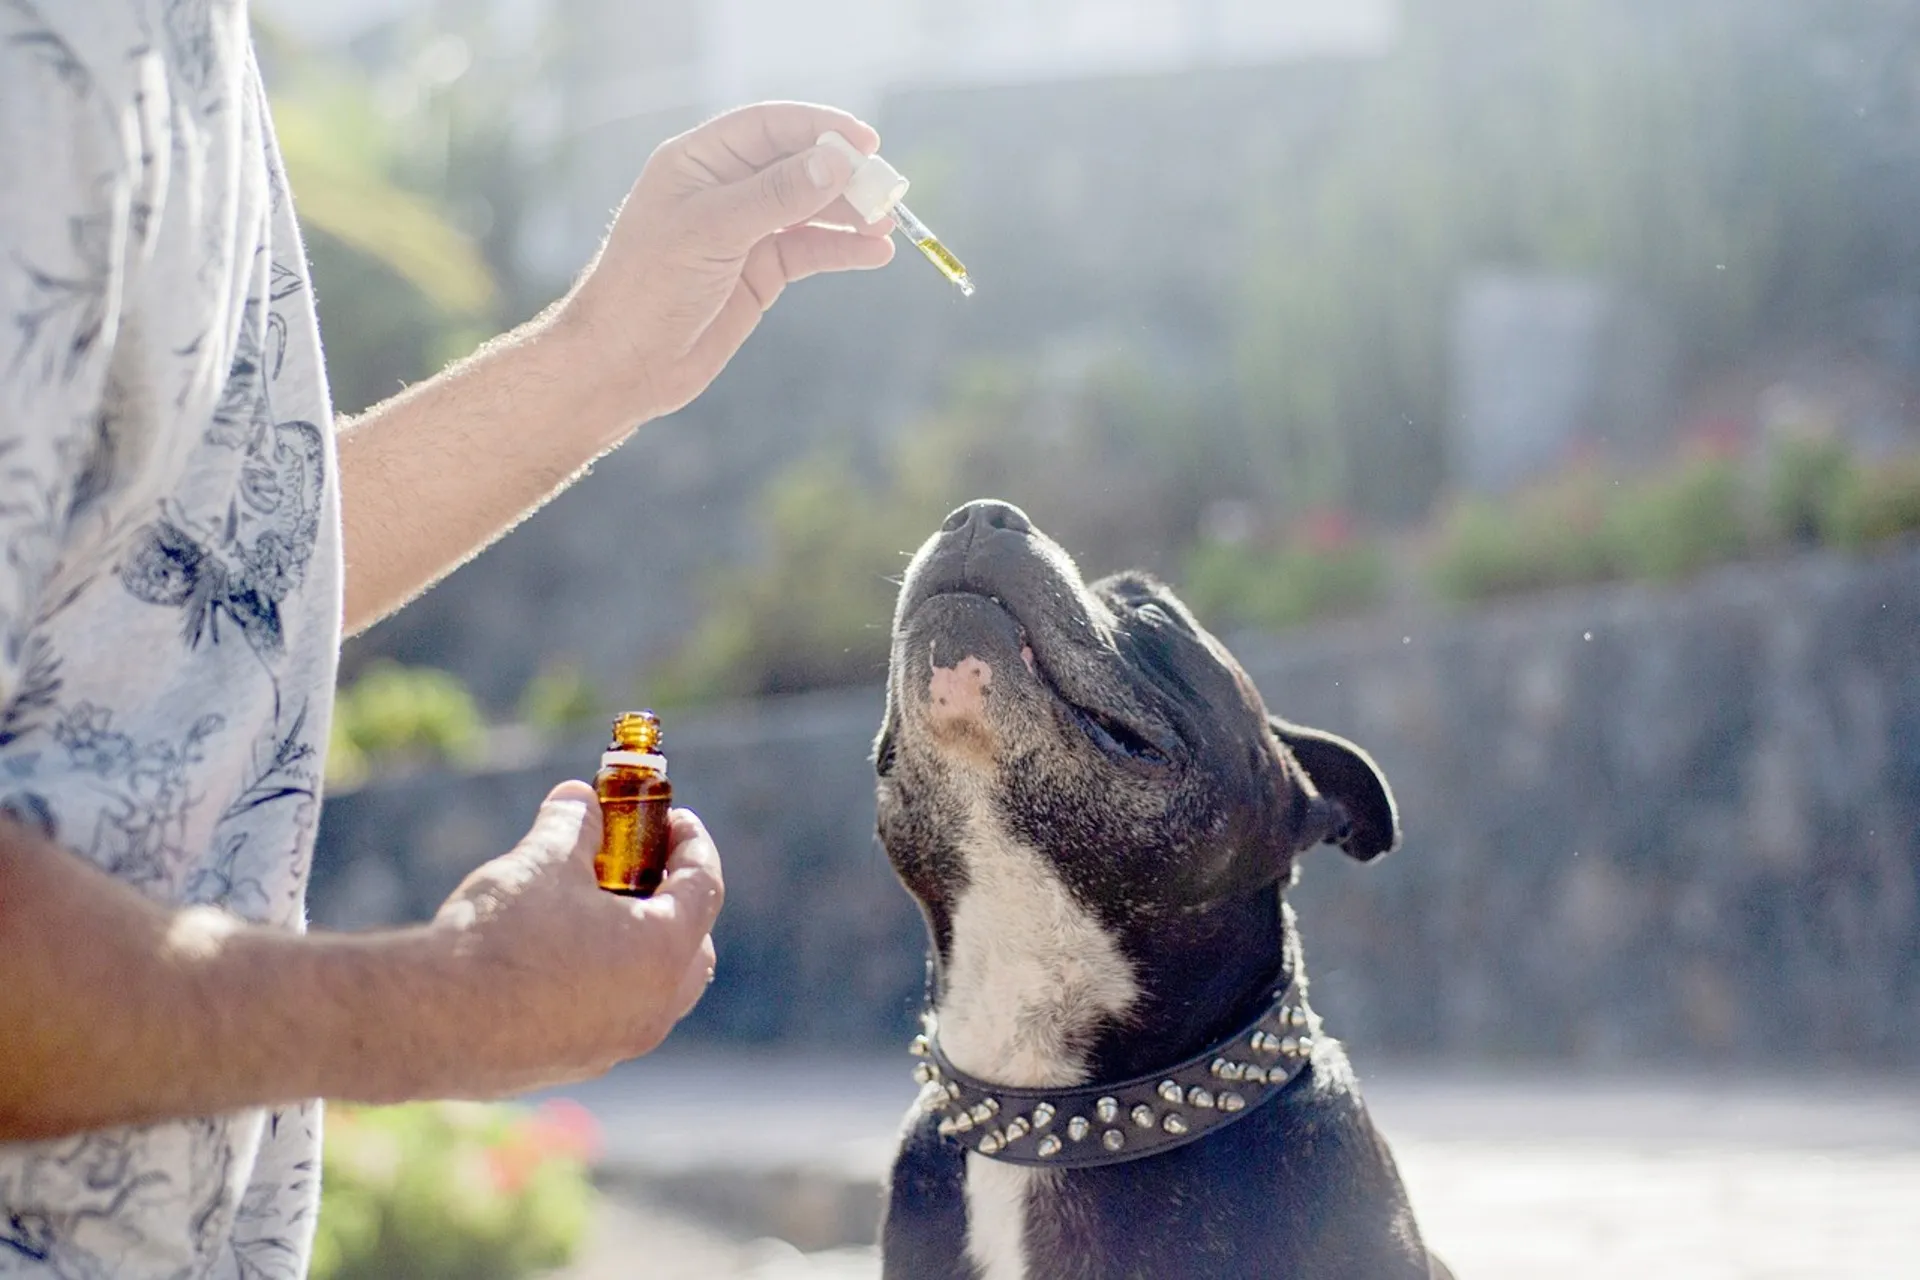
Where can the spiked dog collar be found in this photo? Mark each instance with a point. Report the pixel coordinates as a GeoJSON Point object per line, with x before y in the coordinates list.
{"type": "Point", "coordinates": [1087, 1126]}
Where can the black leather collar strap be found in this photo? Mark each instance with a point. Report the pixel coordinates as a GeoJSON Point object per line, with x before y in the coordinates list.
{"type": "Point", "coordinates": [1092, 1125]}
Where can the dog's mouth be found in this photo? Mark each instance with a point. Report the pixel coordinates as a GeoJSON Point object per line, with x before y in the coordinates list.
{"type": "Point", "coordinates": [1023, 637]}
{"type": "Point", "coordinates": [1131, 744]}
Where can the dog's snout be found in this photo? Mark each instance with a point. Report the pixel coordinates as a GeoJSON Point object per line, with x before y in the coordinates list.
{"type": "Point", "coordinates": [983, 515]}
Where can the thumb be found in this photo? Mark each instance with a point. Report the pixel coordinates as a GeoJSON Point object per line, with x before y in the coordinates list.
{"type": "Point", "coordinates": [783, 194]}
{"type": "Point", "coordinates": [568, 824]}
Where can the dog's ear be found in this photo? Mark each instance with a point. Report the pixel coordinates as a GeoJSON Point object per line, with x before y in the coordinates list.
{"type": "Point", "coordinates": [1355, 810]}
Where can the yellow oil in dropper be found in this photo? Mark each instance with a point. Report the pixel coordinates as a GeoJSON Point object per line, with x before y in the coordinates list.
{"type": "Point", "coordinates": [926, 242]}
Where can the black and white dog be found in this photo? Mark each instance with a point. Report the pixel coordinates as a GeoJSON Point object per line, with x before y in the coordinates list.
{"type": "Point", "coordinates": [1121, 1075]}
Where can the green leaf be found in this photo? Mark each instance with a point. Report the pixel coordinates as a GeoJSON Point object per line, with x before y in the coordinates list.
{"type": "Point", "coordinates": [341, 189]}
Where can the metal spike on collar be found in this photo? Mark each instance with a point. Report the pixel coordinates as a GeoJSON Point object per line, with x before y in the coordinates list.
{"type": "Point", "coordinates": [1108, 1109]}
{"type": "Point", "coordinates": [1170, 1091]}
{"type": "Point", "coordinates": [1078, 1128]}
{"type": "Point", "coordinates": [1113, 1139]}
{"type": "Point", "coordinates": [1042, 1115]}
{"type": "Point", "coordinates": [1174, 1123]}
{"type": "Point", "coordinates": [1143, 1116]}
{"type": "Point", "coordinates": [1049, 1146]}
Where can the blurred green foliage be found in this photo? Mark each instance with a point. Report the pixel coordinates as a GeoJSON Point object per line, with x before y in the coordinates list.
{"type": "Point", "coordinates": [1808, 476]}
{"type": "Point", "coordinates": [452, 1191]}
{"type": "Point", "coordinates": [410, 186]}
{"type": "Point", "coordinates": [1546, 536]}
{"type": "Point", "coordinates": [1672, 524]}
{"type": "Point", "coordinates": [560, 698]}
{"type": "Point", "coordinates": [1274, 586]}
{"type": "Point", "coordinates": [1874, 504]}
{"type": "Point", "coordinates": [1705, 509]}
{"type": "Point", "coordinates": [395, 714]}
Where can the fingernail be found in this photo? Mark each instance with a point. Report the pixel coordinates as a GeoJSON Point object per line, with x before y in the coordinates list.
{"type": "Point", "coordinates": [820, 168]}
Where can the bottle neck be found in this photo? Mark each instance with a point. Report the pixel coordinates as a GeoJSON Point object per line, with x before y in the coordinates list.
{"type": "Point", "coordinates": [634, 759]}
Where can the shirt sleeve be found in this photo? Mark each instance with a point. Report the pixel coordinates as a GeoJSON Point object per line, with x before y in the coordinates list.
{"type": "Point", "coordinates": [68, 153]}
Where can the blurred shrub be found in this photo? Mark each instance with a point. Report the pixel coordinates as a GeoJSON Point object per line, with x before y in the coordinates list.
{"type": "Point", "coordinates": [1877, 502]}
{"type": "Point", "coordinates": [560, 698]}
{"type": "Point", "coordinates": [396, 713]}
{"type": "Point", "coordinates": [1302, 579]}
{"type": "Point", "coordinates": [1549, 536]}
{"type": "Point", "coordinates": [814, 613]}
{"type": "Point", "coordinates": [452, 1191]}
{"type": "Point", "coordinates": [1662, 526]}
{"type": "Point", "coordinates": [1808, 478]}
{"type": "Point", "coordinates": [1673, 524]}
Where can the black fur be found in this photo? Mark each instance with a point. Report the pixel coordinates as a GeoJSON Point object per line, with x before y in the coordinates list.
{"type": "Point", "coordinates": [1128, 747]}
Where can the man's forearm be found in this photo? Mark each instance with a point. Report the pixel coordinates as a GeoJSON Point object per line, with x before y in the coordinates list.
{"type": "Point", "coordinates": [117, 1011]}
{"type": "Point", "coordinates": [434, 475]}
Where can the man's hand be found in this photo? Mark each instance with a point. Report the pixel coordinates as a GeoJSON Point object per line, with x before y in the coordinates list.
{"type": "Point", "coordinates": [559, 979]}
{"type": "Point", "coordinates": [721, 220]}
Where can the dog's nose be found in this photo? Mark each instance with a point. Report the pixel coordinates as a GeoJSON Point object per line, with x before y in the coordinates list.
{"type": "Point", "coordinates": [980, 516]}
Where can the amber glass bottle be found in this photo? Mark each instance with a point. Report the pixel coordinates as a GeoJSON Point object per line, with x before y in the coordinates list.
{"type": "Point", "coordinates": [634, 797]}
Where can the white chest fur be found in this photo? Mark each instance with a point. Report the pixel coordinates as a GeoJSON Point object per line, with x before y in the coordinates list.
{"type": "Point", "coordinates": [1030, 976]}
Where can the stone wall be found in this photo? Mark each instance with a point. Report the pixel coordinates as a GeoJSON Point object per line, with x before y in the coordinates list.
{"type": "Point", "coordinates": [1640, 825]}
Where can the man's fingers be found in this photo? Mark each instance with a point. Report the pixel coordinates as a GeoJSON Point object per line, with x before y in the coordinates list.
{"type": "Point", "coordinates": [747, 139]}
{"type": "Point", "coordinates": [693, 887]}
{"type": "Point", "coordinates": [808, 251]}
{"type": "Point", "coordinates": [568, 823]}
{"type": "Point", "coordinates": [841, 214]}
{"type": "Point", "coordinates": [694, 980]}
{"type": "Point", "coordinates": [773, 263]}
{"type": "Point", "coordinates": [799, 252]}
{"type": "Point", "coordinates": [786, 192]}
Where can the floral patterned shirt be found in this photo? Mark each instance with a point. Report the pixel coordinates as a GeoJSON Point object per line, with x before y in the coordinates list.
{"type": "Point", "coordinates": [170, 590]}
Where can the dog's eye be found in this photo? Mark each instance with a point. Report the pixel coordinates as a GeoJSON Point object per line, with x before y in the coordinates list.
{"type": "Point", "coordinates": [1119, 741]}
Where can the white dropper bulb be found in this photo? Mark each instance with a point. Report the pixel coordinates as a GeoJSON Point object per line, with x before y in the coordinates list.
{"type": "Point", "coordinates": [875, 192]}
{"type": "Point", "coordinates": [875, 187]}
